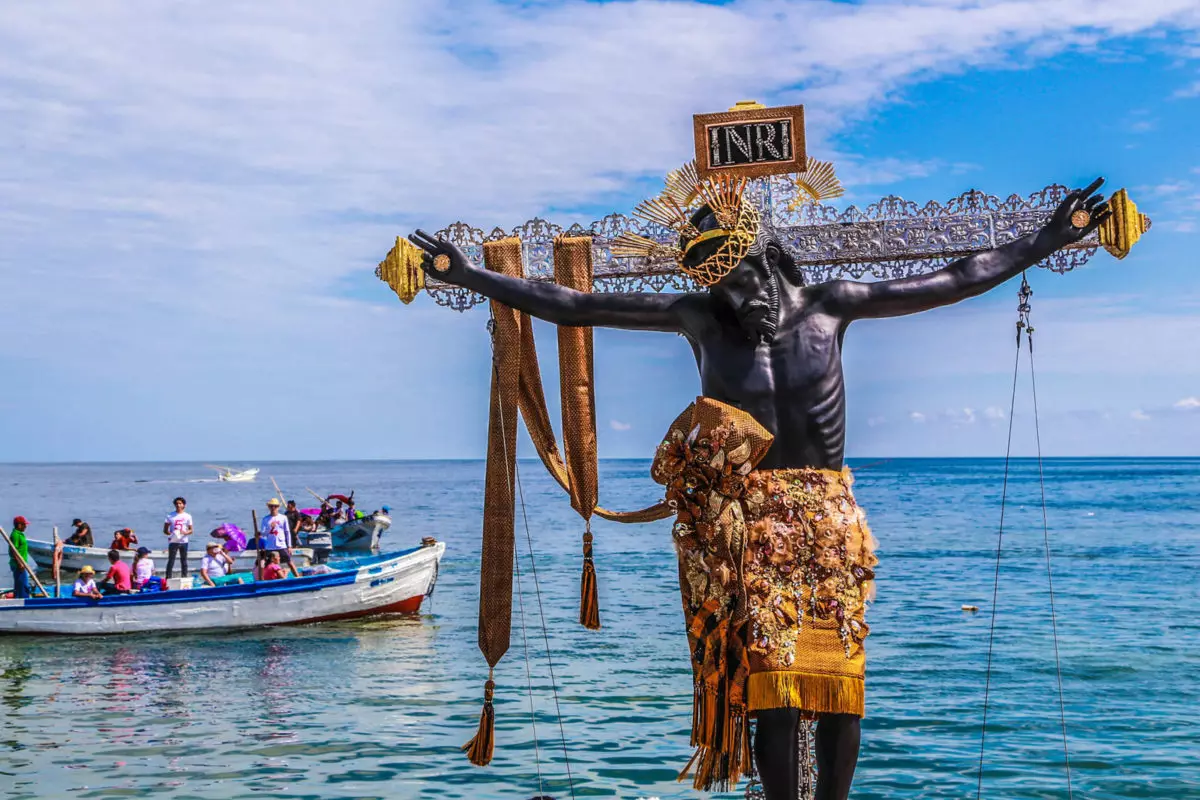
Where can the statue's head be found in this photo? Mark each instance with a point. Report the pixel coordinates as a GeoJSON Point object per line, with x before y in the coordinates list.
{"type": "Point", "coordinates": [751, 289]}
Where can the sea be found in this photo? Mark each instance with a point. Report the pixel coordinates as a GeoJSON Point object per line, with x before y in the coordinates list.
{"type": "Point", "coordinates": [380, 708]}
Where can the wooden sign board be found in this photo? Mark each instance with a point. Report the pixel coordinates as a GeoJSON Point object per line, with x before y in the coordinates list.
{"type": "Point", "coordinates": [750, 142]}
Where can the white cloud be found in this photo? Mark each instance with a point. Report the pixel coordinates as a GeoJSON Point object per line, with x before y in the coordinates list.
{"type": "Point", "coordinates": [917, 416]}
{"type": "Point", "coordinates": [1191, 90]}
{"type": "Point", "coordinates": [617, 425]}
{"type": "Point", "coordinates": [1139, 415]}
{"type": "Point", "coordinates": [217, 175]}
{"type": "Point", "coordinates": [874, 422]}
{"type": "Point", "coordinates": [994, 413]}
{"type": "Point", "coordinates": [1188, 404]}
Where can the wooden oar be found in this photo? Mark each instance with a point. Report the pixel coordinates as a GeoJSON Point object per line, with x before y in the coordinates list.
{"type": "Point", "coordinates": [55, 563]}
{"type": "Point", "coordinates": [278, 491]}
{"type": "Point", "coordinates": [13, 552]}
{"type": "Point", "coordinates": [314, 494]}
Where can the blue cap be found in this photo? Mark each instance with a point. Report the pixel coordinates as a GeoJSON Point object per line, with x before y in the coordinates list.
{"type": "Point", "coordinates": [386, 509]}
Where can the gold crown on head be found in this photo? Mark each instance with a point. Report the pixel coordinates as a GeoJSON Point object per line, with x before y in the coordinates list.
{"type": "Point", "coordinates": [685, 192]}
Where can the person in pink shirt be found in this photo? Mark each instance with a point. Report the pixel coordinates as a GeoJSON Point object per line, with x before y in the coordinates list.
{"type": "Point", "coordinates": [273, 571]}
{"type": "Point", "coordinates": [119, 579]}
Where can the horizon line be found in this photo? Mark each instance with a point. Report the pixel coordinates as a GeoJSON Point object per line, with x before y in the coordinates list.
{"type": "Point", "coordinates": [535, 459]}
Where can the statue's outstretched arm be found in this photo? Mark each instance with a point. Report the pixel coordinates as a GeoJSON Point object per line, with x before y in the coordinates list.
{"type": "Point", "coordinates": [974, 274]}
{"type": "Point", "coordinates": [549, 301]}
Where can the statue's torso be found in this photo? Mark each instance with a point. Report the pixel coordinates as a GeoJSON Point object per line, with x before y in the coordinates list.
{"type": "Point", "coordinates": [792, 386]}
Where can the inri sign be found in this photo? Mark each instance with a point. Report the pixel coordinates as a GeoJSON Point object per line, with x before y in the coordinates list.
{"type": "Point", "coordinates": [750, 141]}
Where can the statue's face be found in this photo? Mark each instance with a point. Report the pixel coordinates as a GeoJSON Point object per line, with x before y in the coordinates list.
{"type": "Point", "coordinates": [745, 292]}
{"type": "Point", "coordinates": [750, 291]}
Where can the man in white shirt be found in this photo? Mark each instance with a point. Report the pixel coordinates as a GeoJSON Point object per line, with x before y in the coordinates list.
{"type": "Point", "coordinates": [215, 564]}
{"type": "Point", "coordinates": [178, 529]}
{"type": "Point", "coordinates": [274, 535]}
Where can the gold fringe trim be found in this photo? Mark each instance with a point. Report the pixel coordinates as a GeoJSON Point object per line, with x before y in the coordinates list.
{"type": "Point", "coordinates": [589, 597]}
{"type": "Point", "coordinates": [482, 745]}
{"type": "Point", "coordinates": [722, 756]}
{"type": "Point", "coordinates": [807, 691]}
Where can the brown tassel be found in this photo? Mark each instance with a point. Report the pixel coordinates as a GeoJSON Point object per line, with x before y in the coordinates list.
{"type": "Point", "coordinates": [589, 597]}
{"type": "Point", "coordinates": [480, 748]}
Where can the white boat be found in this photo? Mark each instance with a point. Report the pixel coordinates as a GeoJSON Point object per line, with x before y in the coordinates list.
{"type": "Point", "coordinates": [361, 534]}
{"type": "Point", "coordinates": [74, 558]}
{"type": "Point", "coordinates": [394, 583]}
{"type": "Point", "coordinates": [230, 475]}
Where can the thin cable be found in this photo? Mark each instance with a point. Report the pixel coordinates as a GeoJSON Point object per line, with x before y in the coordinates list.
{"type": "Point", "coordinates": [987, 683]}
{"type": "Point", "coordinates": [516, 473]}
{"type": "Point", "coordinates": [1062, 704]}
{"type": "Point", "coordinates": [537, 757]}
{"type": "Point", "coordinates": [549, 660]}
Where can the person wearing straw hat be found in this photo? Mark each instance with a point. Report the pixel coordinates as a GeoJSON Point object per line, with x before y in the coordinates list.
{"type": "Point", "coordinates": [18, 555]}
{"type": "Point", "coordinates": [85, 584]}
{"type": "Point", "coordinates": [216, 563]}
{"type": "Point", "coordinates": [275, 536]}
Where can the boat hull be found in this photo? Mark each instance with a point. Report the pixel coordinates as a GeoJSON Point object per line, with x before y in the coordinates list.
{"type": "Point", "coordinates": [74, 558]}
{"type": "Point", "coordinates": [238, 477]}
{"type": "Point", "coordinates": [360, 535]}
{"type": "Point", "coordinates": [384, 584]}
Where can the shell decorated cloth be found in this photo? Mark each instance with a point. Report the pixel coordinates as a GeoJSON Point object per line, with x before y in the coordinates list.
{"type": "Point", "coordinates": [775, 570]}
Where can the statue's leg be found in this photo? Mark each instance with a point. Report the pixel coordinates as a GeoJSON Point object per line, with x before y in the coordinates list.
{"type": "Point", "coordinates": [838, 738]}
{"type": "Point", "coordinates": [775, 752]}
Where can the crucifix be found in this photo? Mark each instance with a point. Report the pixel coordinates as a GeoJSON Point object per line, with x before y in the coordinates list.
{"type": "Point", "coordinates": [776, 560]}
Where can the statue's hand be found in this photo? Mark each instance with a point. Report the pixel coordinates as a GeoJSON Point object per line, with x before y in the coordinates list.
{"type": "Point", "coordinates": [443, 260]}
{"type": "Point", "coordinates": [1080, 206]}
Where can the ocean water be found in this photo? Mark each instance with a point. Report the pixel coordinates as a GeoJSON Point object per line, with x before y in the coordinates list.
{"type": "Point", "coordinates": [378, 709]}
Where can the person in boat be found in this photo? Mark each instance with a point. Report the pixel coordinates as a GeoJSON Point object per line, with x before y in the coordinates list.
{"type": "Point", "coordinates": [275, 536]}
{"type": "Point", "coordinates": [216, 563]}
{"type": "Point", "coordinates": [273, 570]}
{"type": "Point", "coordinates": [338, 516]}
{"type": "Point", "coordinates": [85, 584]}
{"type": "Point", "coordinates": [18, 557]}
{"type": "Point", "coordinates": [293, 516]}
{"type": "Point", "coordinates": [123, 539]}
{"type": "Point", "coordinates": [178, 528]}
{"type": "Point", "coordinates": [143, 567]}
{"type": "Point", "coordinates": [119, 578]}
{"type": "Point", "coordinates": [82, 537]}
{"type": "Point", "coordinates": [325, 515]}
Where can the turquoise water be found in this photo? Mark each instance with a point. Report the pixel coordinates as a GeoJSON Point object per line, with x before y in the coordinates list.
{"type": "Point", "coordinates": [379, 709]}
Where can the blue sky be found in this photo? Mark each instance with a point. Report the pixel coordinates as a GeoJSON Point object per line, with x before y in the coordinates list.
{"type": "Point", "coordinates": [195, 196]}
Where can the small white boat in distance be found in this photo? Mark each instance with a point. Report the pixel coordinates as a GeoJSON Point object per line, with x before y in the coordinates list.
{"type": "Point", "coordinates": [394, 583]}
{"type": "Point", "coordinates": [231, 475]}
{"type": "Point", "coordinates": [74, 558]}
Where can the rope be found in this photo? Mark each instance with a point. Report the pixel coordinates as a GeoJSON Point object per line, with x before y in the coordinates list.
{"type": "Point", "coordinates": [537, 757]}
{"type": "Point", "coordinates": [546, 637]}
{"type": "Point", "coordinates": [987, 682]}
{"type": "Point", "coordinates": [516, 473]}
{"type": "Point", "coordinates": [1062, 705]}
{"type": "Point", "coordinates": [1023, 326]}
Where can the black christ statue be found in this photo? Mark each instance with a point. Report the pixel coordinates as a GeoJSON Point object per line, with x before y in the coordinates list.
{"type": "Point", "coordinates": [771, 345]}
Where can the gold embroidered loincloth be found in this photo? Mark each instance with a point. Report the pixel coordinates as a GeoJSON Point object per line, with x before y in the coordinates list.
{"type": "Point", "coordinates": [775, 571]}
{"type": "Point", "coordinates": [808, 574]}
